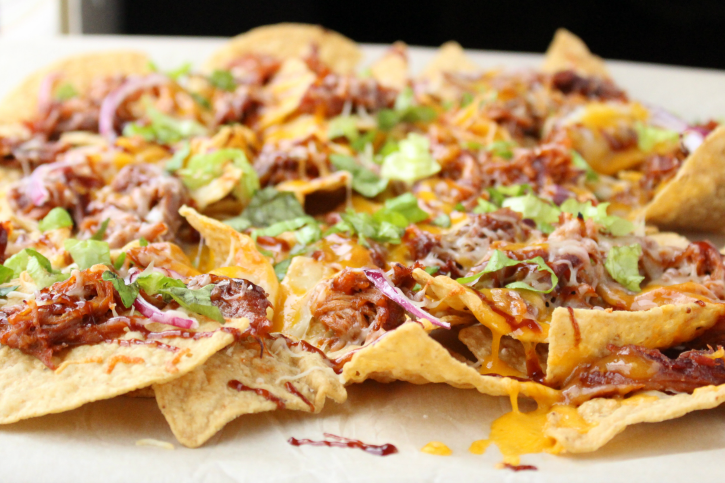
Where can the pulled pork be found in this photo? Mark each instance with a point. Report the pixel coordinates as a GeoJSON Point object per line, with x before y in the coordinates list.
{"type": "Point", "coordinates": [68, 314]}
{"type": "Point", "coordinates": [634, 368]}
{"type": "Point", "coordinates": [353, 310]}
{"type": "Point", "coordinates": [290, 160]}
{"type": "Point", "coordinates": [65, 184]}
{"type": "Point", "coordinates": [570, 83]}
{"type": "Point", "coordinates": [141, 201]}
{"type": "Point", "coordinates": [236, 298]}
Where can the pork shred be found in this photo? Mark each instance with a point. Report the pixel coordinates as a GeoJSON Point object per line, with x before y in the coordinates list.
{"type": "Point", "coordinates": [141, 201]}
{"type": "Point", "coordinates": [596, 88]}
{"type": "Point", "coordinates": [658, 169]}
{"type": "Point", "coordinates": [459, 250]}
{"type": "Point", "coordinates": [67, 184]}
{"type": "Point", "coordinates": [236, 298]}
{"type": "Point", "coordinates": [290, 160]}
{"type": "Point", "coordinates": [330, 93]}
{"type": "Point", "coordinates": [684, 374]}
{"type": "Point", "coordinates": [353, 310]}
{"type": "Point", "coordinates": [68, 314]}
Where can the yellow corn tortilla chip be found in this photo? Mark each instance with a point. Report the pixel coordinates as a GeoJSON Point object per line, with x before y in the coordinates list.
{"type": "Point", "coordinates": [656, 328]}
{"type": "Point", "coordinates": [450, 58]}
{"type": "Point", "coordinates": [303, 188]}
{"type": "Point", "coordinates": [286, 90]}
{"type": "Point", "coordinates": [235, 254]}
{"type": "Point", "coordinates": [569, 52]}
{"type": "Point", "coordinates": [101, 371]}
{"type": "Point", "coordinates": [604, 418]}
{"type": "Point", "coordinates": [80, 71]}
{"type": "Point", "coordinates": [200, 403]}
{"type": "Point", "coordinates": [392, 69]}
{"type": "Point", "coordinates": [303, 274]}
{"type": "Point", "coordinates": [408, 353]}
{"type": "Point", "coordinates": [287, 40]}
{"type": "Point", "coordinates": [479, 340]}
{"type": "Point", "coordinates": [695, 198]}
{"type": "Point", "coordinates": [462, 298]}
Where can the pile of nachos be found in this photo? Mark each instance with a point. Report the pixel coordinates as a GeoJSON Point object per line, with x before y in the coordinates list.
{"type": "Point", "coordinates": [261, 232]}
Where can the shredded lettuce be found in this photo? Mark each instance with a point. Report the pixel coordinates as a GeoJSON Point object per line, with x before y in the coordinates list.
{"type": "Point", "coordinates": [581, 163]}
{"type": "Point", "coordinates": [615, 225]}
{"type": "Point", "coordinates": [484, 207]}
{"type": "Point", "coordinates": [163, 128]}
{"type": "Point", "coordinates": [267, 207]}
{"type": "Point", "coordinates": [6, 274]}
{"type": "Point", "coordinates": [405, 110]}
{"type": "Point", "coordinates": [153, 282]}
{"type": "Point", "coordinates": [4, 291]}
{"type": "Point", "coordinates": [622, 263]}
{"type": "Point", "coordinates": [411, 162]}
{"type": "Point", "coordinates": [649, 137]}
{"type": "Point", "coordinates": [502, 149]}
{"type": "Point", "coordinates": [119, 261]}
{"type": "Point", "coordinates": [36, 265]}
{"type": "Point", "coordinates": [306, 229]}
{"type": "Point", "coordinates": [101, 232]}
{"type": "Point", "coordinates": [541, 212]}
{"type": "Point", "coordinates": [499, 260]}
{"type": "Point", "coordinates": [364, 181]}
{"type": "Point", "coordinates": [128, 293]}
{"type": "Point", "coordinates": [87, 253]}
{"type": "Point", "coordinates": [281, 268]}
{"type": "Point", "coordinates": [498, 194]}
{"type": "Point", "coordinates": [442, 220]}
{"type": "Point", "coordinates": [197, 301]}
{"type": "Point", "coordinates": [387, 225]}
{"type": "Point", "coordinates": [65, 91]}
{"type": "Point", "coordinates": [177, 160]}
{"type": "Point", "coordinates": [202, 169]}
{"type": "Point", "coordinates": [223, 79]}
{"type": "Point", "coordinates": [56, 218]}
{"type": "Point", "coordinates": [343, 126]}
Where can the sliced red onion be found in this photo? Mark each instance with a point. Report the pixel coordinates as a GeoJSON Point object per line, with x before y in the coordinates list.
{"type": "Point", "coordinates": [155, 315]}
{"type": "Point", "coordinates": [692, 136]}
{"type": "Point", "coordinates": [37, 191]}
{"type": "Point", "coordinates": [377, 277]}
{"type": "Point", "coordinates": [45, 93]}
{"type": "Point", "coordinates": [113, 100]}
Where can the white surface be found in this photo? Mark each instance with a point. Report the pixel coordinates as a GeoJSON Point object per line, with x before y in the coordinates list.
{"type": "Point", "coordinates": [97, 442]}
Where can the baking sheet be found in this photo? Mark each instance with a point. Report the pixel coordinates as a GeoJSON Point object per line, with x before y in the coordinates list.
{"type": "Point", "coordinates": [97, 442]}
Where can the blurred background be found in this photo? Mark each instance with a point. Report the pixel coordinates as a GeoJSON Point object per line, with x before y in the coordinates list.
{"type": "Point", "coordinates": [690, 33]}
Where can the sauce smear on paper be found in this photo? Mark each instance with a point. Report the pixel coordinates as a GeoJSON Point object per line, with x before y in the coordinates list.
{"type": "Point", "coordinates": [340, 442]}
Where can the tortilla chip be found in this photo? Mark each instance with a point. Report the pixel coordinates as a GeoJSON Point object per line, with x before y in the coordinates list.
{"type": "Point", "coordinates": [604, 418]}
{"type": "Point", "coordinates": [408, 353]}
{"type": "Point", "coordinates": [235, 254]}
{"type": "Point", "coordinates": [303, 274]}
{"type": "Point", "coordinates": [303, 188]}
{"type": "Point", "coordinates": [286, 89]}
{"type": "Point", "coordinates": [462, 299]}
{"type": "Point", "coordinates": [392, 69]}
{"type": "Point", "coordinates": [199, 404]}
{"type": "Point", "coordinates": [569, 52]}
{"type": "Point", "coordinates": [656, 328]}
{"type": "Point", "coordinates": [80, 71]}
{"type": "Point", "coordinates": [102, 371]}
{"type": "Point", "coordinates": [695, 198]}
{"type": "Point", "coordinates": [450, 58]}
{"type": "Point", "coordinates": [287, 40]}
{"type": "Point", "coordinates": [479, 340]}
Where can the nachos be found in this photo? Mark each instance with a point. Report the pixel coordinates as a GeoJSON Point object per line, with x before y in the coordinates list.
{"type": "Point", "coordinates": [258, 234]}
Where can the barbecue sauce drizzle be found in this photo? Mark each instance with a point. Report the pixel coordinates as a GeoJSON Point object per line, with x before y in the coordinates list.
{"type": "Point", "coordinates": [340, 442]}
{"type": "Point", "coordinates": [234, 384]}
